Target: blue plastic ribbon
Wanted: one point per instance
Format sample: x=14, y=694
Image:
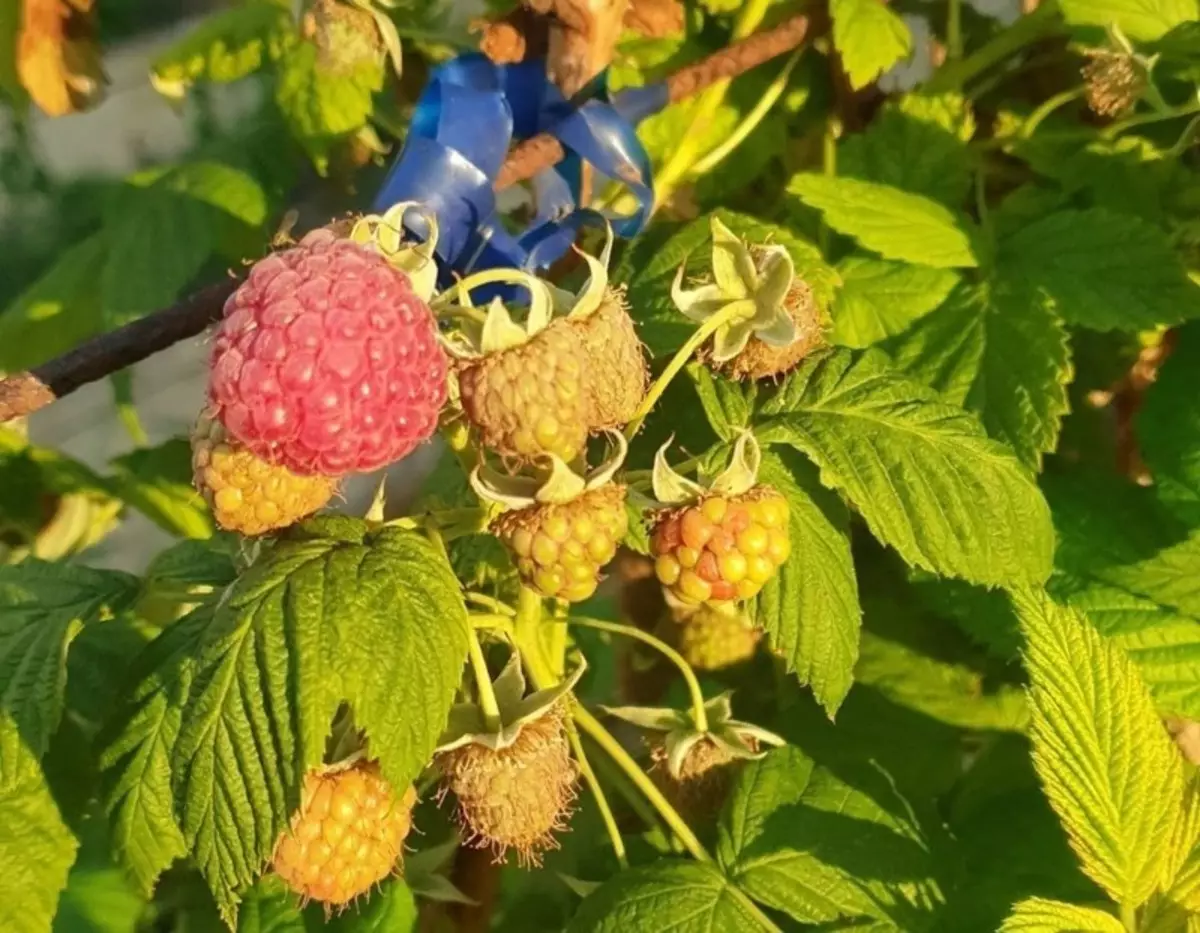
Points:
x=467, y=117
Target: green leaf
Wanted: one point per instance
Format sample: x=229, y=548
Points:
x=157, y=481
x=42, y=608
x=922, y=473
x=1144, y=20
x=1108, y=767
x=322, y=106
x=137, y=747
x=60, y=310
x=1182, y=877
x=1164, y=644
x=1000, y=351
x=819, y=845
x=269, y=907
x=1104, y=270
x=660, y=325
x=1039, y=915
x=1114, y=532
x=869, y=37
x=893, y=223
x=36, y=848
x=224, y=47
x=682, y=897
x=208, y=562
x=810, y=608
x=951, y=693
x=729, y=405
x=880, y=299
x=158, y=240
x=916, y=144
x=389, y=910
x=1169, y=427
x=98, y=897
x=333, y=614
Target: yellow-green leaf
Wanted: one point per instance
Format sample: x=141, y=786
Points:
x=1039, y=915
x=1109, y=769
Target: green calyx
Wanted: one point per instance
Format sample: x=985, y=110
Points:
x=559, y=485
x=672, y=488
x=468, y=723
x=756, y=283
x=739, y=739
x=385, y=234
x=496, y=331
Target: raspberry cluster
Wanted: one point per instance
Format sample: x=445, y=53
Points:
x=722, y=548
x=326, y=362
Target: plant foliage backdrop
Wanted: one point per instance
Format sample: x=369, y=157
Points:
x=818, y=552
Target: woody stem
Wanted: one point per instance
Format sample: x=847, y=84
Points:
x=726, y=315
x=699, y=716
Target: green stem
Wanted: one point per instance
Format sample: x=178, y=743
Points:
x=743, y=899
x=483, y=681
x=122, y=383
x=729, y=313
x=953, y=75
x=1186, y=138
x=1048, y=107
x=491, y=621
x=490, y=602
x=602, y=737
x=954, y=40
x=678, y=166
x=1144, y=119
x=1129, y=917
x=752, y=120
x=829, y=141
x=699, y=716
x=593, y=783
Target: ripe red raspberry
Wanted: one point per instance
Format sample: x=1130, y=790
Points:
x=346, y=836
x=326, y=361
x=722, y=549
x=560, y=549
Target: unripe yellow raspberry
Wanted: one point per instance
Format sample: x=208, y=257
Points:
x=517, y=796
x=346, y=837
x=247, y=494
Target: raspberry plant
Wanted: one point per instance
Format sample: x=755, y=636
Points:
x=812, y=546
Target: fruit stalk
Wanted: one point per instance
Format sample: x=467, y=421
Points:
x=699, y=716
x=729, y=313
x=23, y=393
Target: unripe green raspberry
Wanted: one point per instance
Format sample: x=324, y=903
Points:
x=560, y=549
x=711, y=639
x=247, y=494
x=517, y=796
x=529, y=400
x=617, y=374
x=704, y=780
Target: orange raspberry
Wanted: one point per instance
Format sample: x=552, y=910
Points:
x=722, y=549
x=346, y=837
